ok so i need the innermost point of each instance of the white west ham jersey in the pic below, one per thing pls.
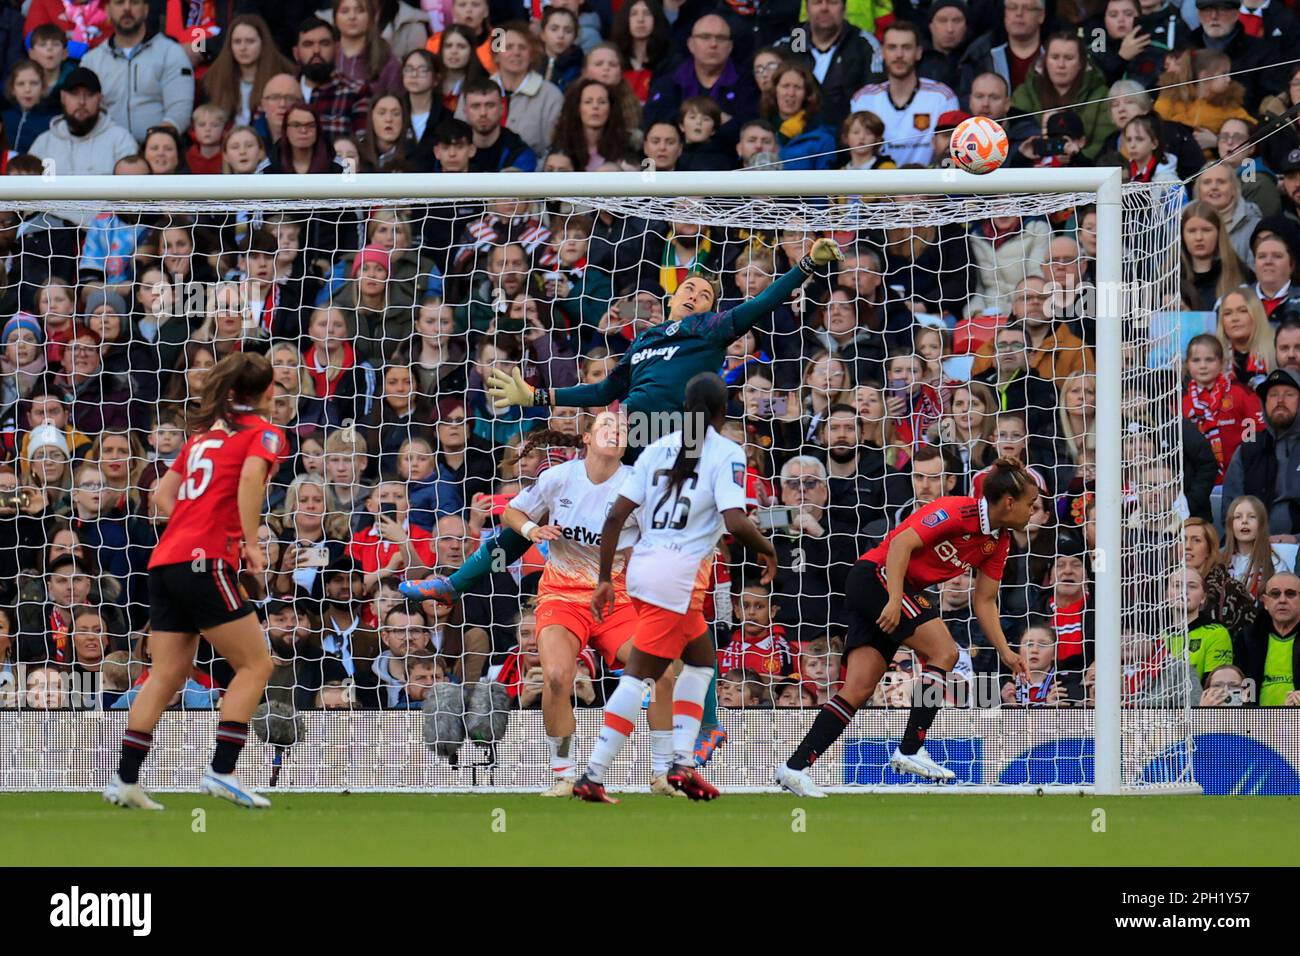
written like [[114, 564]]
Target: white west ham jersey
[[670, 563], [909, 131], [579, 507]]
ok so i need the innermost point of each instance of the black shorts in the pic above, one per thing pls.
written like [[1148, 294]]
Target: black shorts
[[865, 596], [186, 601]]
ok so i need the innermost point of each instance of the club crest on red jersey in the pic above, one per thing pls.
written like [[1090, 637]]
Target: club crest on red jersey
[[271, 442], [934, 518]]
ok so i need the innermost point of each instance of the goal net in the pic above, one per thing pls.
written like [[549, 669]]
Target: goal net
[[957, 329]]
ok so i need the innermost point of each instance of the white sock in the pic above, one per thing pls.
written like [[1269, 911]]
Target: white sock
[[561, 750], [688, 707], [661, 752], [620, 718]]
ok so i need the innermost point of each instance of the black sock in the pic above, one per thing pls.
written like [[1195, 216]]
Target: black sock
[[135, 747], [231, 736], [922, 714], [836, 714]]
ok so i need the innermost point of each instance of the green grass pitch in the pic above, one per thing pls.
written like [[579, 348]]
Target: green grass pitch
[[68, 829]]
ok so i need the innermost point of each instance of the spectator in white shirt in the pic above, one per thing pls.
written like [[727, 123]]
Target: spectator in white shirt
[[908, 104]]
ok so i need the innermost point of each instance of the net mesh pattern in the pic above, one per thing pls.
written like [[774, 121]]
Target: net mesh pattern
[[382, 320]]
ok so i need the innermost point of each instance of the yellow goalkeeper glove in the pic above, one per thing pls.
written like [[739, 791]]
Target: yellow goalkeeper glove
[[825, 251], [506, 390]]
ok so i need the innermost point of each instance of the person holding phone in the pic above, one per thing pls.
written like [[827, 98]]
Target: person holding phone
[[392, 546], [306, 547], [1129, 51], [1062, 143]]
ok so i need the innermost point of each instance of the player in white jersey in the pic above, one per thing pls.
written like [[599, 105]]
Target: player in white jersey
[[690, 487], [566, 507]]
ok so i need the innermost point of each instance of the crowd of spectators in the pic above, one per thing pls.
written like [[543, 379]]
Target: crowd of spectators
[[927, 353]]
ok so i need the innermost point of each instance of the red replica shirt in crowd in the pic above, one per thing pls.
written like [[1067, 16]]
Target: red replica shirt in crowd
[[512, 672], [956, 534], [768, 653], [1221, 411], [206, 520], [372, 552]]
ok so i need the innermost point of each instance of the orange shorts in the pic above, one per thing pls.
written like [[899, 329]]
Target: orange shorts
[[606, 636], [665, 633]]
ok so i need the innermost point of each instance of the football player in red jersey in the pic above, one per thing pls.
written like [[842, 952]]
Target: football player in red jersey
[[214, 494], [887, 609]]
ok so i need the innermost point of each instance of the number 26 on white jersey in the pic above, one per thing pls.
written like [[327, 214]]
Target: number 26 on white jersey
[[198, 468]]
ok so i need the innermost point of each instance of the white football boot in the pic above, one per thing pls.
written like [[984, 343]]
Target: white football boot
[[921, 764], [797, 782], [227, 787], [129, 795], [563, 787]]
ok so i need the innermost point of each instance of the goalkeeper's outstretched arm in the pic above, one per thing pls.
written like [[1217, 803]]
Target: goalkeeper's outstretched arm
[[507, 390]]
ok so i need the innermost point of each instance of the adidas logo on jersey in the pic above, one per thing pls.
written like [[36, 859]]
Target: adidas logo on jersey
[[666, 352]]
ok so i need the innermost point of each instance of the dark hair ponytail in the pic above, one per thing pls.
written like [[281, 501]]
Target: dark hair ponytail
[[1007, 477], [548, 438], [706, 396], [238, 379]]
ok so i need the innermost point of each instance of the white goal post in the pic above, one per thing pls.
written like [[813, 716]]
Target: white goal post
[[1102, 186]]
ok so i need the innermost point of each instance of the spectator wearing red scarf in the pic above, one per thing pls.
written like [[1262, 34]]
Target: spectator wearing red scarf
[[344, 388], [1155, 678], [1143, 140], [1222, 408], [1067, 604]]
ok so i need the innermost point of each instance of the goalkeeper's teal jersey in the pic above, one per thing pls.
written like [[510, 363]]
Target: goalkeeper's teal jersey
[[652, 374]]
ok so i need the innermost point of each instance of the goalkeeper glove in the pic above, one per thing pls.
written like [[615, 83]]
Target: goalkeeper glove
[[506, 390], [825, 251]]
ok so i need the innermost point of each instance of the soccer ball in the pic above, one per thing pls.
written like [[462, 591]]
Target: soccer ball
[[979, 145]]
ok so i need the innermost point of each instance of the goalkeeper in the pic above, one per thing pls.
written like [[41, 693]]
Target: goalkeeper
[[649, 380]]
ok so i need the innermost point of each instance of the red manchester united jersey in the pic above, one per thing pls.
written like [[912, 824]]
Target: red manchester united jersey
[[205, 522], [956, 535]]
